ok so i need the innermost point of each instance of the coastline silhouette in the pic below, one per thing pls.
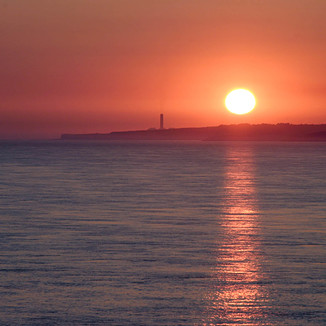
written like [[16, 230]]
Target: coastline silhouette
[[236, 132]]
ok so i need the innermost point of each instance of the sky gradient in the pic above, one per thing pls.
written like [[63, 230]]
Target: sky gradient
[[83, 66]]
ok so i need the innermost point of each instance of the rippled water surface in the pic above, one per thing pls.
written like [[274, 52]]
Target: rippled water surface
[[162, 233]]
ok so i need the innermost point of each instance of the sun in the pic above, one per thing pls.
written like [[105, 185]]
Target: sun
[[240, 101]]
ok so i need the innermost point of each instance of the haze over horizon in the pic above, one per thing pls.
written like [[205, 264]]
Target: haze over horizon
[[84, 66]]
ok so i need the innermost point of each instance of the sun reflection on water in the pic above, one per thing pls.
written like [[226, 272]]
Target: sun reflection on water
[[237, 296]]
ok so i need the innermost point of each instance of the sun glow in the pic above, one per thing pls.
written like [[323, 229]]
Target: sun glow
[[240, 101]]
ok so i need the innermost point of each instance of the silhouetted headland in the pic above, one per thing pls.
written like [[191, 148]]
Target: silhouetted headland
[[239, 132]]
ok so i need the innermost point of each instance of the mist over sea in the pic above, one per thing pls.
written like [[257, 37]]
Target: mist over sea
[[162, 233]]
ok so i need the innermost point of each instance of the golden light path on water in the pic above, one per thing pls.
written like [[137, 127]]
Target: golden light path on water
[[237, 296]]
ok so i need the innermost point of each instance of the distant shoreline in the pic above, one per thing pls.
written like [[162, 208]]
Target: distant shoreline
[[235, 132]]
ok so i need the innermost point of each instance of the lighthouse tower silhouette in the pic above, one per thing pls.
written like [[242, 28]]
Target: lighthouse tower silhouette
[[161, 121]]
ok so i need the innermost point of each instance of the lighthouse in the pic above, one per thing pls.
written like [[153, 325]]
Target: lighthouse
[[161, 121]]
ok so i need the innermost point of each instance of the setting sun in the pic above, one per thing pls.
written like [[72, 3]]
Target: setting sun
[[240, 101]]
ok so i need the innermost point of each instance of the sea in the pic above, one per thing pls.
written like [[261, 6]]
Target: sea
[[162, 233]]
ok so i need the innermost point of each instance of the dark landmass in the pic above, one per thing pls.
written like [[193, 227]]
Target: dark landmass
[[239, 132]]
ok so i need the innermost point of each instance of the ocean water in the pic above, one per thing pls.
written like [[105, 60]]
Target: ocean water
[[162, 233]]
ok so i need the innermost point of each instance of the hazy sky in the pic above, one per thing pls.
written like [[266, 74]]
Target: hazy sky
[[102, 65]]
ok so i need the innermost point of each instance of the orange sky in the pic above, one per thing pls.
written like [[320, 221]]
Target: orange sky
[[102, 65]]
